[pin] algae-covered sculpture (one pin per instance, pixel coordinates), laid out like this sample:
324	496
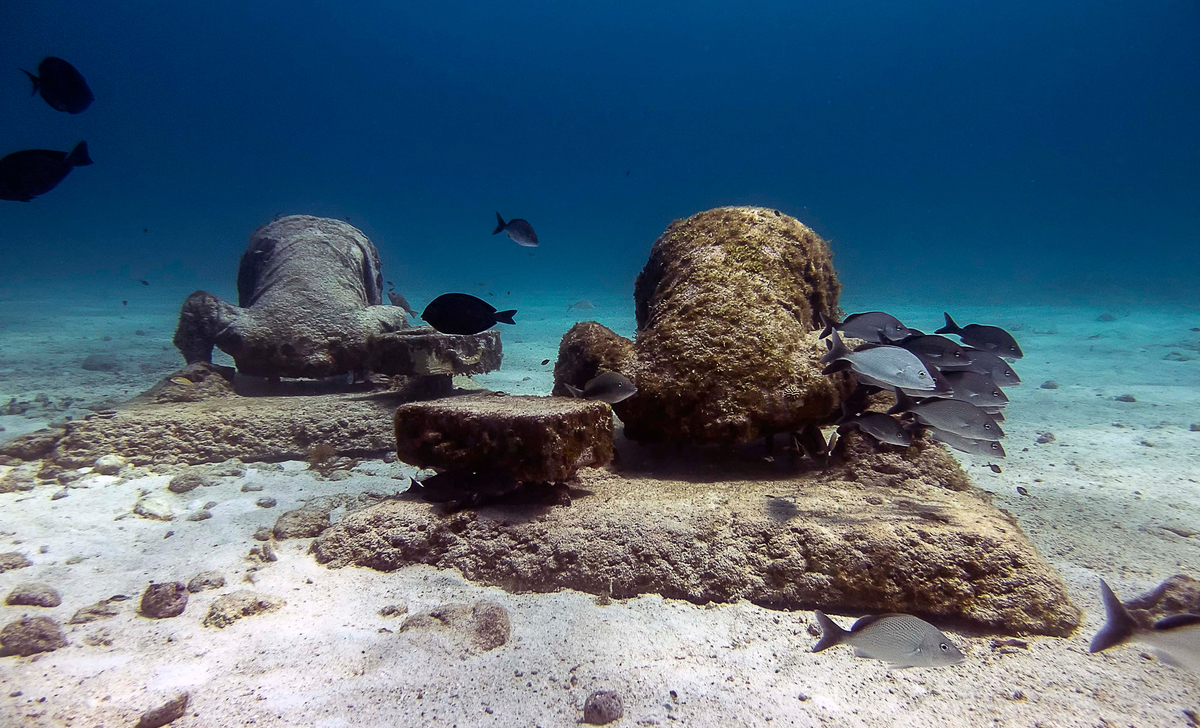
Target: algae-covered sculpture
726	348
309	296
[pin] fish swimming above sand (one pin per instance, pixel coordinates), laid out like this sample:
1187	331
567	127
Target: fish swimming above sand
986	362
1176	638
989	338
966	444
608	387
884	428
950	415
61	85
901	640
889	365
873	326
941	351
464	314
27	174
978	389
519	230
581	306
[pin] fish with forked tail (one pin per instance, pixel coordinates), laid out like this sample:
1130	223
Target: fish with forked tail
901	640
61	85
608	387
464	314
989	338
27	174
1176	638
520	231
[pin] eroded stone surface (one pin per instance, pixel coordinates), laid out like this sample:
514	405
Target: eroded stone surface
31	635
484	625
229	608
536	439
897	533
426	352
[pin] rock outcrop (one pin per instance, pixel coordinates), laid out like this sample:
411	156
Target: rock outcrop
726	348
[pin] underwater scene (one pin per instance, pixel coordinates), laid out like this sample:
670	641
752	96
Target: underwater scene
634	364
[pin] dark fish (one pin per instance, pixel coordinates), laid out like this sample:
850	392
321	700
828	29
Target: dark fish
978	389
581	305
988	338
938	349
460	313
950	415
143	282
985	362
61	85
145	230
874	326
545	362
608	387
890	365
883	428
1176	638
967	444
901	640
994	468
519	230
400	301
25	175
124	303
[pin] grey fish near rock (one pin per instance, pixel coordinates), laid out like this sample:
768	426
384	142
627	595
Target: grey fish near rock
950	415
874	326
62	86
398	300
989	338
978	389
941	351
986	362
889	365
608	387
464	314
884	428
27	174
990	448
901	640
519	230
1176	638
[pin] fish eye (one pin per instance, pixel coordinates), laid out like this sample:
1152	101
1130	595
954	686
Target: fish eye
921	374
945	647
987	427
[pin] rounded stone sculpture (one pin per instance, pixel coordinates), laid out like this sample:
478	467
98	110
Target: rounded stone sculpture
727	349
310	291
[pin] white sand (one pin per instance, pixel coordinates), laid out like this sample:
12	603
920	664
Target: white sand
1099	499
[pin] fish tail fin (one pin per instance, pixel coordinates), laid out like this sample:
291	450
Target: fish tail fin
903	403
37	82
831	634
837	349
79	156
500	225
575	391
1119	623
569	307
950	327
506	317
827	324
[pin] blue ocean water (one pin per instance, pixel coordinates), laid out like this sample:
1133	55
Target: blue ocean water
977	152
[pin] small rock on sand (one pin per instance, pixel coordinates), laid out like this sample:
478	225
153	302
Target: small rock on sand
33	595
302	523
252	487
187	482
1049	384
206	580
161	601
109	464
265	502
154	508
485	624
200	515
102	609
102	363
262	533
12	560
1125	398
602	707
228	609
1045	438
169	711
31	635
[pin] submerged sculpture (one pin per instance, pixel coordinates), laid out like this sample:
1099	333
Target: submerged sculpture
726	350
310	291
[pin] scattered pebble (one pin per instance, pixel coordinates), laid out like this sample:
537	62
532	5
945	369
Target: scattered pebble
59	494
31	594
252	487
31	635
262	534
1022	490
228	609
206	580
154	508
1045	438
109	464
266	502
302	523
13	560
161	601
188	482
1194	427
102	609
392	610
200	515
1049	384
1125	398
166	713
602	707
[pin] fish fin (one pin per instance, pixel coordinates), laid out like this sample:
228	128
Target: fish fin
838	366
837	350
950	327
831	634
1177	620
827	323
1119	624
903	403
575	391
506	317
37	82
846	416
79	156
500	225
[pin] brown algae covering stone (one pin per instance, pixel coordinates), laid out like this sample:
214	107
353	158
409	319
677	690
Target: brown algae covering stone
892	535
229	608
33	595
30	635
168	712
532	439
304	522
727	349
602	707
161	601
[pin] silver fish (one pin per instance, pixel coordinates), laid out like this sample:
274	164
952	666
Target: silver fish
985	362
901	640
608	387
1176	639
519	230
989	338
950	415
891	365
978	389
883	428
941	351
991	448
874	326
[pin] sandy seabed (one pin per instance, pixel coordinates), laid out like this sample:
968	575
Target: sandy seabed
1112	496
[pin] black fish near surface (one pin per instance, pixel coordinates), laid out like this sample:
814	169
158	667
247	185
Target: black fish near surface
27	174
61	85
463	314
